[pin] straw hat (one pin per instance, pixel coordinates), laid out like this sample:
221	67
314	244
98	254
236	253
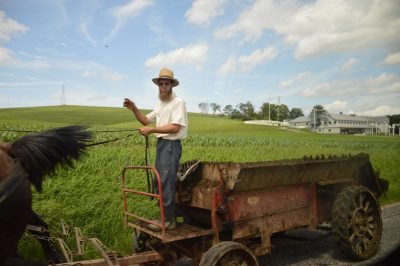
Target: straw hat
166	73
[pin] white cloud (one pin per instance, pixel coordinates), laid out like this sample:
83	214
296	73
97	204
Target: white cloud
133	8
393	59
162	34
88	69
6	57
318	90
124	12
384	83
248	62
85	32
36	64
296	79
286	83
82	95
191	55
9	27
28	84
203	11
380	108
382	79
105	74
254	20
336	107
320	27
349	64
228	67
381	84
381	111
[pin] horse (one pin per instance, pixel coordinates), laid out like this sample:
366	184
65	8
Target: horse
26	161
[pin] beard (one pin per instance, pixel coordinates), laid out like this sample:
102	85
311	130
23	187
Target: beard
165	97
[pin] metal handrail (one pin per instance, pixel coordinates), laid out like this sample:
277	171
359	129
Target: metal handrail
158	196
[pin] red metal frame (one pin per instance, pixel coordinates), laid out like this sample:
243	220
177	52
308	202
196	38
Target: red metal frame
158	196
214	220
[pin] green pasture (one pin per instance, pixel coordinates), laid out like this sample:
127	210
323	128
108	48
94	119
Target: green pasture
89	196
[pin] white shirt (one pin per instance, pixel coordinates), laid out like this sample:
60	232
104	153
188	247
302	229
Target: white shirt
172	112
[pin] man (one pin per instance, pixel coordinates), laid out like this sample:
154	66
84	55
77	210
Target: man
171	126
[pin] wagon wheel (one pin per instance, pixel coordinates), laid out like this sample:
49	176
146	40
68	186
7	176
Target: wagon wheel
228	253
357	222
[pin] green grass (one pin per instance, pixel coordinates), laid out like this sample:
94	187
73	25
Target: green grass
89	196
123	118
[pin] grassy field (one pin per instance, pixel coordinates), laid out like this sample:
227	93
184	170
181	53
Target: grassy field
89	195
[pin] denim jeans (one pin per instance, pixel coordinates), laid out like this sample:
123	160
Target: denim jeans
167	161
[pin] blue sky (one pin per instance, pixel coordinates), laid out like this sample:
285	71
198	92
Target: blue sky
344	55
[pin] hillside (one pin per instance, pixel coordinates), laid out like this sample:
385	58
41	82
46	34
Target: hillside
122	118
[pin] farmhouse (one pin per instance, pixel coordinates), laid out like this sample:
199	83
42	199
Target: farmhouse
300	122
326	122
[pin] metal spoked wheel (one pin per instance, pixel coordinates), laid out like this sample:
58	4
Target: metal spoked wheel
228	253
357	222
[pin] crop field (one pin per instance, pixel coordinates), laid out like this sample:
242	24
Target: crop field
89	196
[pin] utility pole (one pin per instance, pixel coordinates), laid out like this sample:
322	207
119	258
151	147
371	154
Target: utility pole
269	108
63	101
314	118
279	106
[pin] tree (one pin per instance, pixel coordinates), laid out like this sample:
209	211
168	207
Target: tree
228	109
235	114
215	107
318	108
295	112
247	110
315	115
272	111
264	111
395	119
203	108
283	112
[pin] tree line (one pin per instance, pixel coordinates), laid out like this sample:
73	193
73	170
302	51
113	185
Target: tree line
276	112
247	111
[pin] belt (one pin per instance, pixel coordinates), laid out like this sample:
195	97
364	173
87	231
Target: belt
161	138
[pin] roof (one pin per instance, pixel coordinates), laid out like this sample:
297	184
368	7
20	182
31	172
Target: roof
300	119
347	117
379	119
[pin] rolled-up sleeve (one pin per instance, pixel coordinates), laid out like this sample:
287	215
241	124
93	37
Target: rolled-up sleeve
179	114
152	116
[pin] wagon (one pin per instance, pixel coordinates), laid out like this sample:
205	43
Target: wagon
228	211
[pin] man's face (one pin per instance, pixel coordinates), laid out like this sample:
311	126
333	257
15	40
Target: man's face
165	89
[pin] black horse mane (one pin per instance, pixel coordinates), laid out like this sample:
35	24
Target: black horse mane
40	153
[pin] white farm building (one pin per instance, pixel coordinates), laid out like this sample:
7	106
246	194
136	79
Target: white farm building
326	122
